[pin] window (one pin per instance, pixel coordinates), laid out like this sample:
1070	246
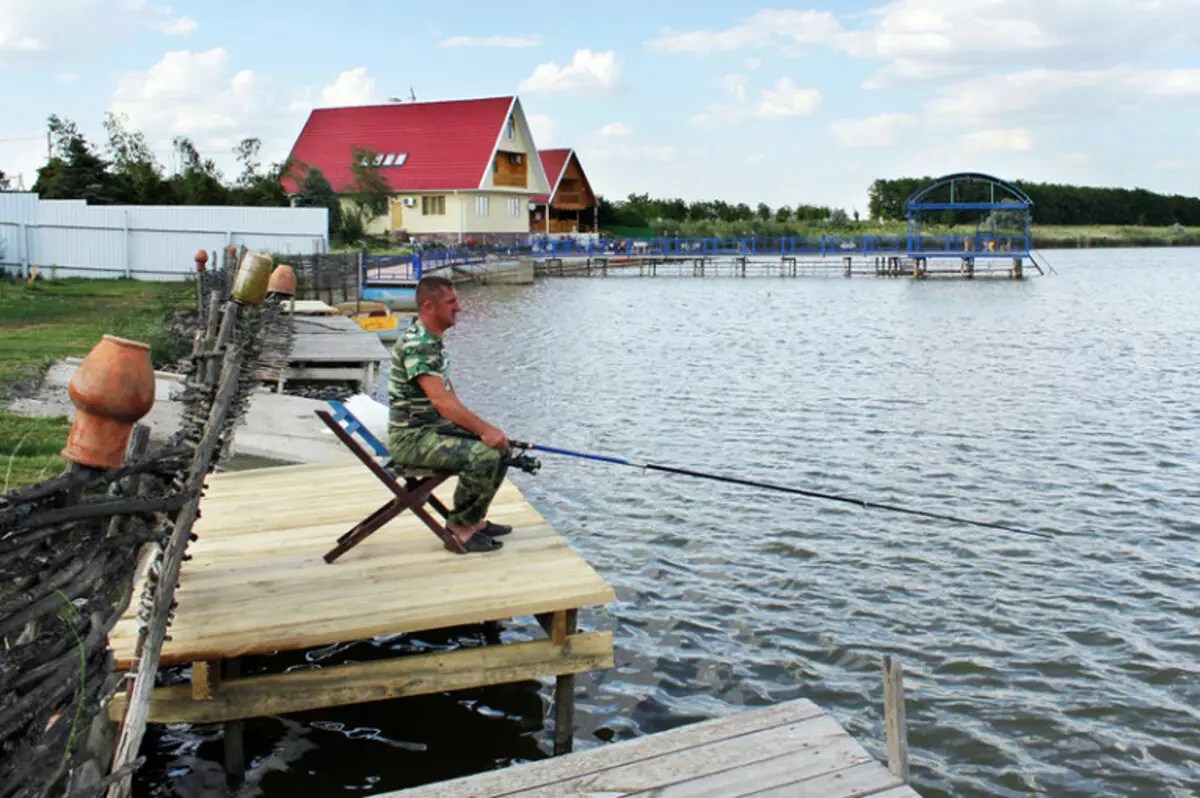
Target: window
482	207
433	206
514	207
510	129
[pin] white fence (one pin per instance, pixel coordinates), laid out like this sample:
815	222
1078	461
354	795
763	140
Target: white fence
68	238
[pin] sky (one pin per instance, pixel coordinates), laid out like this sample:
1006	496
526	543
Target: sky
783	104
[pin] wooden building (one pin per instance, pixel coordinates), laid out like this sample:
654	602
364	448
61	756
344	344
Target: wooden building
571	205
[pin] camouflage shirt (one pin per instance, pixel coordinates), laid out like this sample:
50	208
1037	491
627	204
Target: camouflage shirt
418	352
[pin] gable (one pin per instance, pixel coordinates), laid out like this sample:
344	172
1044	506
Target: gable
521	143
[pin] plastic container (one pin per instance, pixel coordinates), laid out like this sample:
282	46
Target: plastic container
250	282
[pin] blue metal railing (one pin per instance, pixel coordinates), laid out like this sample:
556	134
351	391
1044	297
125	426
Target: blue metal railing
409	268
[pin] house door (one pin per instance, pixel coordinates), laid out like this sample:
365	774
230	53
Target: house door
397	216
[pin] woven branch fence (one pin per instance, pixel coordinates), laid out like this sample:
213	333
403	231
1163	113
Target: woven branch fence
70	549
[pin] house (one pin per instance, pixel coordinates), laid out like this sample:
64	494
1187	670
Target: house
570	206
460	170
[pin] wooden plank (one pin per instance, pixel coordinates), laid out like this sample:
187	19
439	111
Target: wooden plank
420	674
553	771
896	792
822	739
869	778
206	679
896	727
257	582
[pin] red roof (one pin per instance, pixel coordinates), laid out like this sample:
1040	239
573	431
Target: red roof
553	163
449	145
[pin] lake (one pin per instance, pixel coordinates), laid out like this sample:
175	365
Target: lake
1067	404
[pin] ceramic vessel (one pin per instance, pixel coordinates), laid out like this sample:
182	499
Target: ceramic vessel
112	390
283	281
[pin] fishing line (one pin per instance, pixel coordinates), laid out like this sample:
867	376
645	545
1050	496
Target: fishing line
537	447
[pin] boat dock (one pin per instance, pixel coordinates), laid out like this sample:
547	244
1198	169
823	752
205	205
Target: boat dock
330	347
794	749
256	583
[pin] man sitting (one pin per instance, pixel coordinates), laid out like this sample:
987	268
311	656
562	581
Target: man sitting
424	406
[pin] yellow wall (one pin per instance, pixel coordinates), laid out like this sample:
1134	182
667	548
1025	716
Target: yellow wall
498	220
376	227
417	223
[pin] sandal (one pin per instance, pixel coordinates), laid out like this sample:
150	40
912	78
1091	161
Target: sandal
477	543
495	530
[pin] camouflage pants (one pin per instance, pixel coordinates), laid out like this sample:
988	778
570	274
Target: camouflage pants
479	467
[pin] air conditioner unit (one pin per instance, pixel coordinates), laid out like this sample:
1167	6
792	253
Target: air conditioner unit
409	202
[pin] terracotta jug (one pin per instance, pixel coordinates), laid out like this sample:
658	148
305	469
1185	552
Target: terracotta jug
283	281
112	390
250	282
201	259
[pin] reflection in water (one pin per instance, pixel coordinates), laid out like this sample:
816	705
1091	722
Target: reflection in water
1067	404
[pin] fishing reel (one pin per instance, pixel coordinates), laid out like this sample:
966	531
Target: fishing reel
524	461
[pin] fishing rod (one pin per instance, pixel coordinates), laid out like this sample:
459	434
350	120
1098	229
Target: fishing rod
528	464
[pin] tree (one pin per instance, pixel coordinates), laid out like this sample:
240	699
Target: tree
763	211
133	166
197	181
74	171
369	193
783	214
316	192
5	181
263	189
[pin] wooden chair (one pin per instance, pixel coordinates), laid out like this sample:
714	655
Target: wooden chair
415	494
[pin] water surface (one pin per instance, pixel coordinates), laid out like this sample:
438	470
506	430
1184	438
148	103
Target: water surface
1068	404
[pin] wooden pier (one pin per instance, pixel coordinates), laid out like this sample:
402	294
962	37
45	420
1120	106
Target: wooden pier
968	266
257	584
794	749
333	348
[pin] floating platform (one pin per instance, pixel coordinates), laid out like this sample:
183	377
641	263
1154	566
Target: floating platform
257	584
794	749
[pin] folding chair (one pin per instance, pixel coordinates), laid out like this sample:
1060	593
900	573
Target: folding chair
415	494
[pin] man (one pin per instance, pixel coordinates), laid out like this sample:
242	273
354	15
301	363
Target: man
424	405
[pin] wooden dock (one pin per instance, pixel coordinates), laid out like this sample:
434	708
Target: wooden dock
257	584
333	348
794	749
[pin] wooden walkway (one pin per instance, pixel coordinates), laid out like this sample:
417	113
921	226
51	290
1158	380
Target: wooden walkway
257	584
794	749
334	348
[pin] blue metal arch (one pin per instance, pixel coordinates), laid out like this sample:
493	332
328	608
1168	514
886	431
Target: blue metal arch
967	177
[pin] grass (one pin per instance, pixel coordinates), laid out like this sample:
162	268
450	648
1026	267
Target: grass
53	319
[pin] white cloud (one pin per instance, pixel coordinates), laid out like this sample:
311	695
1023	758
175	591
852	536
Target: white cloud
751	64
1076	158
881	130
73	26
66	77
616	129
787	100
782	100
766	28
543	128
734	84
590	74
1012	140
352	87
755	158
203	96
532	40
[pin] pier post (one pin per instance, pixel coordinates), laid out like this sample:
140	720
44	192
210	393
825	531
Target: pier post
846	264
968	267
1016	269
895	722
564	698
234	738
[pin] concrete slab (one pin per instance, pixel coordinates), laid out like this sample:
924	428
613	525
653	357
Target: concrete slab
277	426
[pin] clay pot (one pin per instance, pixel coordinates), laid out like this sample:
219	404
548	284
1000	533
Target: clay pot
283	281
250	282
201	259
112	390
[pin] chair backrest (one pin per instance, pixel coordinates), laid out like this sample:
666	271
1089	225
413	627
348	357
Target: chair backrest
353	426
